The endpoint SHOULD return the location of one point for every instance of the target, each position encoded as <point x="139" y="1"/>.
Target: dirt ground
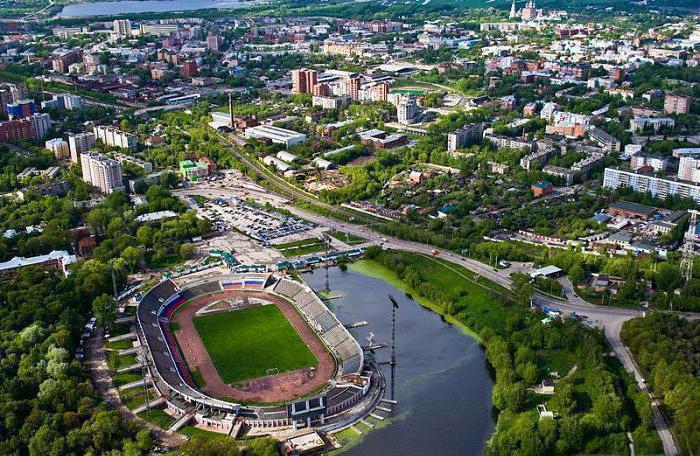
<point x="272" y="388"/>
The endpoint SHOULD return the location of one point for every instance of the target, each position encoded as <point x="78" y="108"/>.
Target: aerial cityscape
<point x="349" y="227"/>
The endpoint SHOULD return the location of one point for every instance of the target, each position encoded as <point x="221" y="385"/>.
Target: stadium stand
<point x="326" y="321"/>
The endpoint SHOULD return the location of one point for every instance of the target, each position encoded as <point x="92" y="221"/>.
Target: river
<point x="442" y="382"/>
<point x="89" y="9"/>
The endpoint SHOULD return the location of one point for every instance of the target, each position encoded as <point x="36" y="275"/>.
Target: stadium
<point x="253" y="350"/>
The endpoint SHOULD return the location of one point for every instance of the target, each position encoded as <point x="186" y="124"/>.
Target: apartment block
<point x="102" y="172"/>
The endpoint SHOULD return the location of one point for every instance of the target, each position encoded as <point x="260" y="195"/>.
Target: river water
<point x="442" y="383"/>
<point x="146" y="6"/>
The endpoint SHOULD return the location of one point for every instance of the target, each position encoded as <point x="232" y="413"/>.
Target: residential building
<point x="676" y="104"/>
<point x="656" y="123"/>
<point x="607" y="141"/>
<point x="330" y="102"/>
<point x="64" y="58"/>
<point x="566" y="174"/>
<point x="102" y="172"/>
<point x="464" y="137"/>
<point x="122" y="27"/>
<point x="644" y="183"/>
<point x="214" y="42"/>
<point x="304" y="80"/>
<point x="57" y="259"/>
<point x="657" y="162"/>
<point x="80" y="143"/>
<point x="63" y="101"/>
<point x="689" y="168"/>
<point x="114" y="137"/>
<point x="352" y="87"/>
<point x="159" y="29"/>
<point x="407" y="110"/>
<point x="59" y="148"/>
<point x="144" y="165"/>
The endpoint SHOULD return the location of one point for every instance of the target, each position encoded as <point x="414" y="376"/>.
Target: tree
<point x="186" y="251"/>
<point x="522" y="288"/>
<point x="576" y="274"/>
<point x="105" y="309"/>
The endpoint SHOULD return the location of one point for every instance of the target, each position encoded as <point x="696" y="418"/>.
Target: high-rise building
<point x="380" y="92"/>
<point x="80" y="143"/>
<point x="689" y="168"/>
<point x="676" y="104"/>
<point x="303" y="80"/>
<point x="19" y="92"/>
<point x="352" y="87"/>
<point x="189" y="69"/>
<point x="102" y="172"/>
<point x="407" y="110"/>
<point x="114" y="137"/>
<point x="465" y="137"/>
<point x="59" y="148"/>
<point x="62" y="60"/>
<point x="33" y="127"/>
<point x="214" y="42"/>
<point x="122" y="27"/>
<point x="63" y="101"/>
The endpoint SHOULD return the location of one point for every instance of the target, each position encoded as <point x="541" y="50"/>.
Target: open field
<point x="301" y="247"/>
<point x="247" y="343"/>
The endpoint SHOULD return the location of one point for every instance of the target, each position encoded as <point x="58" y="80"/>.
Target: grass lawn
<point x="126" y="377"/>
<point x="301" y="247"/>
<point x="349" y="239"/>
<point x="158" y="417"/>
<point x="478" y="306"/>
<point x="135" y="397"/>
<point x="115" y="361"/>
<point x="246" y="343"/>
<point x="191" y="431"/>
<point x="120" y="345"/>
<point x="119" y="329"/>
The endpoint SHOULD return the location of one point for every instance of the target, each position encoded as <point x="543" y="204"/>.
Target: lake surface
<point x="146" y="6"/>
<point x="442" y="383"/>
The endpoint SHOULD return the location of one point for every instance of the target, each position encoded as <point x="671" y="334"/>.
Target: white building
<point x="656" y="186"/>
<point x="41" y="124"/>
<point x="63" y="101"/>
<point x="407" y="110"/>
<point x="275" y="134"/>
<point x="689" y="168"/>
<point x="59" y="148"/>
<point x="102" y="172"/>
<point x="112" y="136"/>
<point x="122" y="27"/>
<point x="80" y="143"/>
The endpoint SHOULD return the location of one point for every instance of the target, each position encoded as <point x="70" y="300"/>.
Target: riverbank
<point x="378" y="271"/>
<point x="596" y="404"/>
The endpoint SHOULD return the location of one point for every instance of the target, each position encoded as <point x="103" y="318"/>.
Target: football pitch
<point x="252" y="343"/>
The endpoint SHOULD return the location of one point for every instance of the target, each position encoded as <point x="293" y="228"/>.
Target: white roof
<point x="545" y="271"/>
<point x="18" y="262"/>
<point x="153" y="216"/>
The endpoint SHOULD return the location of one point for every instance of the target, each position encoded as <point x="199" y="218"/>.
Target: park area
<point x="252" y="343"/>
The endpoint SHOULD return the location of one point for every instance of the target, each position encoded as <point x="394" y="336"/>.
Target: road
<point x="610" y="319"/>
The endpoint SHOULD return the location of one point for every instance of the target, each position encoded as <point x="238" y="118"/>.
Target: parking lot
<point x="260" y="224"/>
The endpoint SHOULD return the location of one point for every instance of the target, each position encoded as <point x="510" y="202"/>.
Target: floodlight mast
<point x="392" y="363"/>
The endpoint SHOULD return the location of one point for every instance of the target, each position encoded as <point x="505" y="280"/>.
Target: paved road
<point x="610" y="319"/>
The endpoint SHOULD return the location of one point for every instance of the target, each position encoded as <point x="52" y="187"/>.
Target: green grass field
<point x="246" y="343"/>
